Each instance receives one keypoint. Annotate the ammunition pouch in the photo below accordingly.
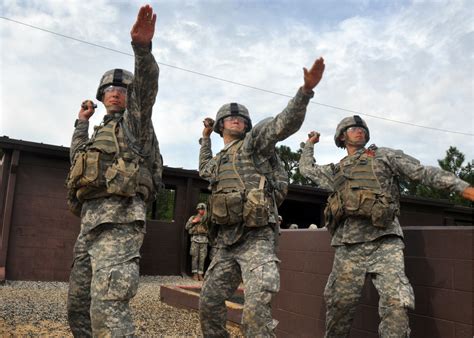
(73, 203)
(95, 174)
(85, 170)
(121, 178)
(384, 212)
(199, 229)
(227, 207)
(333, 213)
(371, 205)
(257, 206)
(146, 187)
(360, 203)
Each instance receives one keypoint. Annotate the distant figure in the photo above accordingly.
(198, 230)
(312, 226)
(293, 226)
(362, 217)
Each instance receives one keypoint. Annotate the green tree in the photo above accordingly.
(291, 161)
(164, 206)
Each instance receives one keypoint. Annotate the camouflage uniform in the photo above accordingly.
(213, 249)
(105, 271)
(246, 253)
(199, 242)
(365, 249)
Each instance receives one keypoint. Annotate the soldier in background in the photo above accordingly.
(113, 176)
(197, 228)
(362, 217)
(244, 197)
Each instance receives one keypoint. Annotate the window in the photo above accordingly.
(204, 196)
(163, 208)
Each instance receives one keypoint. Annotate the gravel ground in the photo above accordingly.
(39, 308)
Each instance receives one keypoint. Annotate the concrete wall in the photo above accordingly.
(439, 264)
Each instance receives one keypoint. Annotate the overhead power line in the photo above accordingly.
(234, 82)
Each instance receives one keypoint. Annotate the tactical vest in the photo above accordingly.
(240, 193)
(358, 193)
(200, 228)
(108, 165)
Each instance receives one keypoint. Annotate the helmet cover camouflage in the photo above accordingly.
(350, 121)
(232, 109)
(201, 206)
(114, 77)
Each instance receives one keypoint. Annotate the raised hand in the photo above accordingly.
(208, 127)
(313, 137)
(314, 75)
(144, 28)
(468, 193)
(87, 110)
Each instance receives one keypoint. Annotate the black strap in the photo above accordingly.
(358, 120)
(118, 76)
(132, 141)
(234, 108)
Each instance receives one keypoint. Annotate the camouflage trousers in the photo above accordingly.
(254, 262)
(212, 252)
(198, 253)
(104, 278)
(382, 260)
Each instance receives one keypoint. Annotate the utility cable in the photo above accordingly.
(234, 82)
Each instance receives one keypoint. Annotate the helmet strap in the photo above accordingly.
(234, 109)
(118, 76)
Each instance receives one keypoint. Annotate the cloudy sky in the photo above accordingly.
(410, 61)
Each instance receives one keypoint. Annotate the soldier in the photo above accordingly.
(197, 228)
(244, 195)
(362, 217)
(213, 248)
(114, 174)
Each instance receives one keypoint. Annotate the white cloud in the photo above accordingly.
(411, 63)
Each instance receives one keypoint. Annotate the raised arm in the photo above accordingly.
(81, 130)
(189, 223)
(291, 118)
(428, 175)
(320, 175)
(142, 92)
(206, 164)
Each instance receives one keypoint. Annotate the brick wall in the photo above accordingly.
(43, 231)
(439, 263)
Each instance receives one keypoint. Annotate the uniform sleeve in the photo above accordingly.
(322, 175)
(189, 223)
(206, 163)
(282, 126)
(407, 166)
(79, 137)
(141, 94)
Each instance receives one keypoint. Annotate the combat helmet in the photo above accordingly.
(200, 206)
(114, 77)
(350, 121)
(231, 109)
